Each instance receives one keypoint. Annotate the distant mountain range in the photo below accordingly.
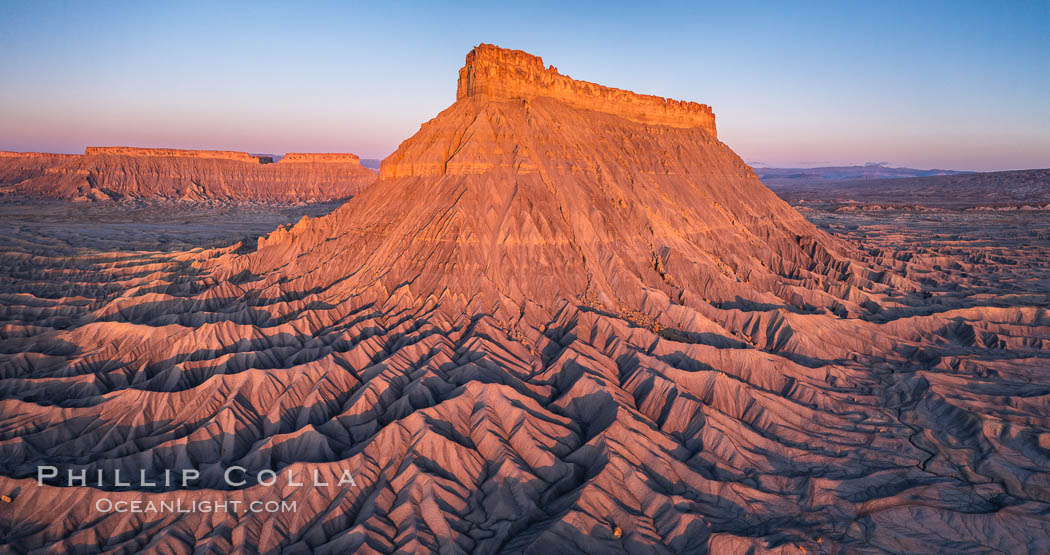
(370, 163)
(773, 177)
(1008, 189)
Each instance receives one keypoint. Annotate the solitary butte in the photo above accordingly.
(234, 476)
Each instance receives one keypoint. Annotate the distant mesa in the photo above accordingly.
(121, 172)
(176, 153)
(10, 154)
(324, 158)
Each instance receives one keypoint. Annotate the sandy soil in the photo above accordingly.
(59, 227)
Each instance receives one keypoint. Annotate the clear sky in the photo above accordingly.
(955, 84)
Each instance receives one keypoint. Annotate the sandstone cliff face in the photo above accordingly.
(20, 166)
(114, 173)
(546, 328)
(172, 153)
(499, 73)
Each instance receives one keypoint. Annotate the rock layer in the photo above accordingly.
(174, 153)
(547, 328)
(115, 173)
(499, 73)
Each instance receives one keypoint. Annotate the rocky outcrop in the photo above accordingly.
(115, 173)
(10, 154)
(499, 73)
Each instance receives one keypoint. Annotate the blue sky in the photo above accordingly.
(961, 85)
